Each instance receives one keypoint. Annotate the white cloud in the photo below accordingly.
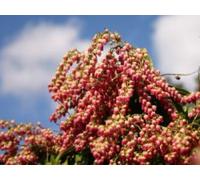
(28, 61)
(177, 45)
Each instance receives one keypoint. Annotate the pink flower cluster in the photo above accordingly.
(20, 143)
(114, 103)
(99, 88)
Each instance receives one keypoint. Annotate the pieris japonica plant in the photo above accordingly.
(114, 107)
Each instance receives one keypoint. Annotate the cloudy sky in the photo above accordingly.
(32, 46)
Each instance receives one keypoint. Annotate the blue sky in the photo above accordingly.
(32, 46)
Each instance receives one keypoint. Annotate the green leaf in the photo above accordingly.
(78, 158)
(182, 91)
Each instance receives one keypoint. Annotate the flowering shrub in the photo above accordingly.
(124, 112)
